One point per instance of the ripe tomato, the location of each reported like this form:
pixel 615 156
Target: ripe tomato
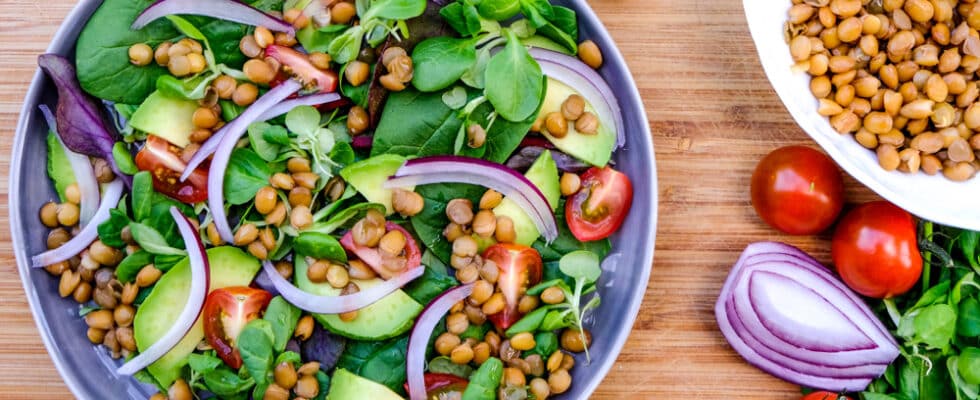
pixel 600 206
pixel 520 268
pixel 875 250
pixel 372 256
pixel 226 312
pixel 163 161
pixel 824 395
pixel 439 386
pixel 323 81
pixel 797 190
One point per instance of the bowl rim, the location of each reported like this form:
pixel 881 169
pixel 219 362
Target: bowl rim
pixel 950 216
pixel 80 14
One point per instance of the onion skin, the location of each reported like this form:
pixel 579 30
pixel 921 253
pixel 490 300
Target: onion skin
pixel 418 340
pixel 774 282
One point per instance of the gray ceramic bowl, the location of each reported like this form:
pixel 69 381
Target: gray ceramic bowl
pixel 89 372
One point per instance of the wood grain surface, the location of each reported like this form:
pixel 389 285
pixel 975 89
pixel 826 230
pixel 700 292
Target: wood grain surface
pixel 713 115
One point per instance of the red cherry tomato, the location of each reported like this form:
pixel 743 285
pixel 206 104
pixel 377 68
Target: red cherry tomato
pixel 797 190
pixel 875 250
pixel 162 160
pixel 600 206
pixel 226 312
pixel 324 81
pixel 372 257
pixel 520 268
pixel 439 386
pixel 825 396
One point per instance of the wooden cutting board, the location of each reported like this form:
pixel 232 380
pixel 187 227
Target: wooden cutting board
pixel 713 115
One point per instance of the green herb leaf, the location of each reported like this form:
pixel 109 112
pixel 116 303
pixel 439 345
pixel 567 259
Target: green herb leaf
pixel 247 173
pixel 429 286
pixel 320 246
pixel 255 346
pixel 282 318
pixel 131 265
pixel 443 365
pixel 152 241
pixel 581 264
pixel 142 195
pixel 485 381
pixel 968 320
pixel 441 61
pixel 515 83
pixel 124 160
pixel 110 230
pixel 394 9
pixel 539 12
pixel 935 326
pixel 303 119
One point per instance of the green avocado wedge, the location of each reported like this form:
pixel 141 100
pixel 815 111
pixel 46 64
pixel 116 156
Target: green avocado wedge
pixel 389 317
pixel 346 385
pixel 543 174
pixel 229 267
pixel 594 149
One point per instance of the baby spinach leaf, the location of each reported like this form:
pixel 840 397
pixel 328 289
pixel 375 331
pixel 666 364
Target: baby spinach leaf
pixel 142 195
pixel 225 383
pixel 968 320
pixel 282 318
pixel 247 173
pixel 552 32
pixel 429 223
pixel 441 61
pixel 382 362
pixel 429 286
pixel 314 39
pixel 102 52
pixel 110 230
pixel 123 158
pixel 303 119
pixel 503 137
pixel 529 322
pixel 565 20
pixel 484 382
pixel 202 363
pixel 546 343
pixel 581 264
pixel 394 9
pixel 462 17
pixel 345 218
pixel 291 357
pixel 131 265
pixel 193 88
pixel 443 365
pixel 515 83
pixel 935 326
pixel 265 149
pixel 539 12
pixel 255 345
pixel 342 153
pixel 152 241
pixel 416 124
pixel 320 246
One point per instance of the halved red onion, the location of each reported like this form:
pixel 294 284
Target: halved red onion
pixel 786 314
pixel 87 235
pixel 88 186
pixel 337 304
pixel 510 183
pixel 287 105
pixel 200 285
pixel 418 341
pixel 579 76
pixel 229 10
pixel 222 153
pixel 238 126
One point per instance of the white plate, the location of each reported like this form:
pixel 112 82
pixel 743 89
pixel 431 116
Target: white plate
pixel 934 198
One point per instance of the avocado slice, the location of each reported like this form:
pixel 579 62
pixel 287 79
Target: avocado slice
pixel 543 174
pixel 593 149
pixel 59 168
pixel 368 177
pixel 229 267
pixel 389 317
pixel 167 117
pixel 346 385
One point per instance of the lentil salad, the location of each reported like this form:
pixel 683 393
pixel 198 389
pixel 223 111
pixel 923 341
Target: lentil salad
pixel 320 204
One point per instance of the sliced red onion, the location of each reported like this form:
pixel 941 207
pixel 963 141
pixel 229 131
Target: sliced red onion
pixel 418 341
pixel 88 186
pixel 786 314
pixel 200 285
pixel 573 72
pixel 222 153
pixel 229 10
pixel 238 126
pixel 337 304
pixel 287 105
pixel 510 183
pixel 362 142
pixel 87 235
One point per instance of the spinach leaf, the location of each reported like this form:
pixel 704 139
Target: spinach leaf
pixel 225 383
pixel 515 83
pixel 123 159
pixel 484 382
pixel 429 286
pixel 314 39
pixel 394 9
pixel 152 241
pixel 382 362
pixel 429 223
pixel 552 32
pixel 202 363
pixel 342 153
pixel 562 27
pixel 539 12
pixel 443 365
pixel 462 18
pixel 320 246
pixel 257 133
pixel 282 318
pixel 247 173
pixel 499 10
pixel 581 264
pixel 968 320
pixel 102 52
pixel 546 343
pixel 142 195
pixel 255 345
pixel 110 230
pixel 441 61
pixel 131 265
pixel 566 20
pixel 416 124
pixel 935 326
pixel 345 218
pixel 503 137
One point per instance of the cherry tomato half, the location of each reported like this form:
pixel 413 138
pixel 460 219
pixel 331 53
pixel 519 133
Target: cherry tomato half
pixel 797 190
pixel 372 256
pixel 520 268
pixel 226 312
pixel 162 160
pixel 440 386
pixel 823 395
pixel 323 81
pixel 600 206
pixel 875 250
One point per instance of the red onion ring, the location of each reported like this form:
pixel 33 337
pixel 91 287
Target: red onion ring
pixel 418 341
pixel 84 173
pixel 200 285
pixel 222 153
pixel 573 72
pixel 510 183
pixel 337 304
pixel 229 10
pixel 87 235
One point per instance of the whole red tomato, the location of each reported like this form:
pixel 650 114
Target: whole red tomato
pixel 797 190
pixel 875 250
pixel 825 396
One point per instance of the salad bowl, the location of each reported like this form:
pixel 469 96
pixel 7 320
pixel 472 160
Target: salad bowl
pixel 932 198
pixel 89 371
